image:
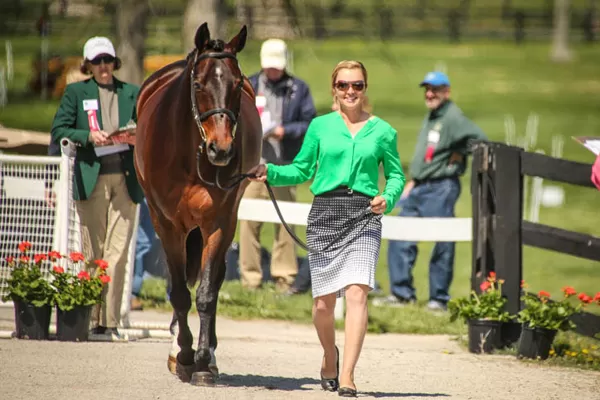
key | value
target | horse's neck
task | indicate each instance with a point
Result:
(248, 89)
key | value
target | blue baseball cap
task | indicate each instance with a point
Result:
(435, 78)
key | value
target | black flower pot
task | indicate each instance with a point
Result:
(73, 325)
(535, 343)
(32, 322)
(484, 336)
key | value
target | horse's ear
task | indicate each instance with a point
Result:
(202, 37)
(239, 41)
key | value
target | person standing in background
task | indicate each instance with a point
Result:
(439, 160)
(286, 107)
(105, 186)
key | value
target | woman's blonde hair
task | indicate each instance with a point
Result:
(350, 64)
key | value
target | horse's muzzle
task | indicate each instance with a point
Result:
(219, 156)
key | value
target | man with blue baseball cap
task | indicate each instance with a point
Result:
(439, 160)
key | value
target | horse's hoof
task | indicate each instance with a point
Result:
(184, 372)
(214, 369)
(172, 365)
(203, 378)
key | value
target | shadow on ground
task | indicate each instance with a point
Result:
(290, 384)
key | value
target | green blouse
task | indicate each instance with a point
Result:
(345, 161)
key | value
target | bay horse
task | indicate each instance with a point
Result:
(198, 130)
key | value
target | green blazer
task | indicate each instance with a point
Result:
(71, 121)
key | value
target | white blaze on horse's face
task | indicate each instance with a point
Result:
(219, 73)
(222, 87)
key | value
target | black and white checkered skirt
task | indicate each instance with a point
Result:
(333, 270)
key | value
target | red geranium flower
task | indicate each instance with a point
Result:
(58, 270)
(54, 255)
(10, 259)
(25, 258)
(75, 257)
(24, 247)
(83, 275)
(105, 278)
(38, 258)
(485, 286)
(103, 265)
(597, 297)
(569, 291)
(543, 293)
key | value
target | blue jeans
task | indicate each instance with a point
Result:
(429, 199)
(146, 239)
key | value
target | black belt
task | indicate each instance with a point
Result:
(343, 191)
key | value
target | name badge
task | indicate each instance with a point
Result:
(433, 137)
(261, 103)
(90, 105)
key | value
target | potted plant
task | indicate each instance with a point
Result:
(542, 318)
(31, 294)
(77, 291)
(484, 313)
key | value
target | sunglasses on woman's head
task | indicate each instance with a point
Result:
(105, 59)
(358, 86)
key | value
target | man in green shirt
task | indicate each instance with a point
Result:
(439, 160)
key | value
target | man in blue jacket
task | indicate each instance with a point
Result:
(286, 108)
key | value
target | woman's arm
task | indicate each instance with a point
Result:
(302, 168)
(394, 175)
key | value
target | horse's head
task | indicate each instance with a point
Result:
(216, 89)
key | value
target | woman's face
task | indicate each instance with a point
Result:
(102, 68)
(349, 88)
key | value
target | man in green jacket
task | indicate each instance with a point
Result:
(438, 161)
(105, 186)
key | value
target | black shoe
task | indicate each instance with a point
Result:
(328, 384)
(347, 392)
(99, 330)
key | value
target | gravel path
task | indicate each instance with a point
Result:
(276, 360)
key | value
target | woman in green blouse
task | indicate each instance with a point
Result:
(342, 151)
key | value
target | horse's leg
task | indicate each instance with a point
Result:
(213, 273)
(179, 362)
(181, 301)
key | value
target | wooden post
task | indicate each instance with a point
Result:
(482, 208)
(507, 236)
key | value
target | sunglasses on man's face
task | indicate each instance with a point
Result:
(104, 59)
(358, 86)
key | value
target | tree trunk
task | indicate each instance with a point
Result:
(132, 30)
(196, 13)
(560, 41)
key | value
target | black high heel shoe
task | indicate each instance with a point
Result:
(332, 384)
(347, 392)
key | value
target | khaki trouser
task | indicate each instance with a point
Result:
(107, 219)
(284, 265)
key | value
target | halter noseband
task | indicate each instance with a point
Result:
(201, 117)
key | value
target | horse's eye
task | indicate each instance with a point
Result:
(197, 86)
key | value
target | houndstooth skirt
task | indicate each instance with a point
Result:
(353, 258)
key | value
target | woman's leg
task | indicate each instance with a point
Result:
(324, 321)
(356, 327)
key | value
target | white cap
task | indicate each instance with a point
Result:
(273, 54)
(96, 46)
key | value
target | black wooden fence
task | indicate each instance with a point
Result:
(499, 231)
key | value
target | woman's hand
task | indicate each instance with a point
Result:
(99, 138)
(378, 205)
(259, 172)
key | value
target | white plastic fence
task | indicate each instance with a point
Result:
(28, 186)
